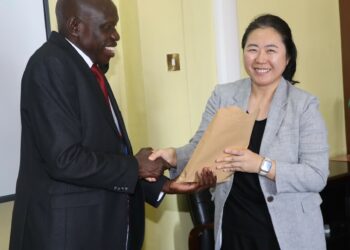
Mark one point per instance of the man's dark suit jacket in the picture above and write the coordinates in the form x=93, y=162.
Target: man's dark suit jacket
x=76, y=188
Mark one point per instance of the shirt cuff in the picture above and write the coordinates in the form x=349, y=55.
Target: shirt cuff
x=160, y=197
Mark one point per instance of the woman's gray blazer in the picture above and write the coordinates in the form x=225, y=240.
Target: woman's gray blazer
x=295, y=137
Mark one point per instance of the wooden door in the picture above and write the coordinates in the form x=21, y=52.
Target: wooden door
x=344, y=7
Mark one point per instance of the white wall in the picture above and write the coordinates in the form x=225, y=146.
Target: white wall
x=21, y=35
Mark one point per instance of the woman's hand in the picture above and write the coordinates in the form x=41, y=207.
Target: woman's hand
x=242, y=160
x=168, y=154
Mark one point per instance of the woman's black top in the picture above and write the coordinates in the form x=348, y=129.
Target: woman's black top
x=246, y=222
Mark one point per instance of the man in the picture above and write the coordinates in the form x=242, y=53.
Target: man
x=79, y=185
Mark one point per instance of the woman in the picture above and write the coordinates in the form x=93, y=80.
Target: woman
x=272, y=201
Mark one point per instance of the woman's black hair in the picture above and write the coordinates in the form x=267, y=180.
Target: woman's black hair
x=277, y=23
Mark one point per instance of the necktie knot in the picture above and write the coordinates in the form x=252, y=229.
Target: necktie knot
x=101, y=80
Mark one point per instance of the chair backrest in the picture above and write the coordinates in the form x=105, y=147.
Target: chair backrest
x=202, y=213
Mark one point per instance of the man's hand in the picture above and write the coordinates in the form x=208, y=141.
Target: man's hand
x=206, y=179
x=148, y=168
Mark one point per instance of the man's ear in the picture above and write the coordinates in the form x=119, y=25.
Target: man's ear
x=73, y=26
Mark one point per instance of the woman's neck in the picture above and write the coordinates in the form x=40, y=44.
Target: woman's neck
x=260, y=100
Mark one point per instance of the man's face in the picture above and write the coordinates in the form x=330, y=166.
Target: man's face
x=97, y=35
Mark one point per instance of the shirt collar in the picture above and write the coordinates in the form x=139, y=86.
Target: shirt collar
x=82, y=54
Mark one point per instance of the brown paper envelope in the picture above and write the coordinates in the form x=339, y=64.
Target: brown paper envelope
x=230, y=128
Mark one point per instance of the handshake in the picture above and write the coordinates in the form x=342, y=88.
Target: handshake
x=152, y=165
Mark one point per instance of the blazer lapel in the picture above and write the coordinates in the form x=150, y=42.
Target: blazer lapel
x=241, y=97
x=275, y=116
x=102, y=102
x=108, y=112
x=119, y=116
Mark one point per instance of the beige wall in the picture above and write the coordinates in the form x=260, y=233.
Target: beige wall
x=153, y=119
x=164, y=107
x=5, y=224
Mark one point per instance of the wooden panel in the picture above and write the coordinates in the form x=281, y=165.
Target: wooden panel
x=335, y=208
x=344, y=6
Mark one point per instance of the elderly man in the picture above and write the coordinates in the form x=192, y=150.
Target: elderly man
x=79, y=184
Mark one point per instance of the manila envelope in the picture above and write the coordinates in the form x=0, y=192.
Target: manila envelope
x=231, y=127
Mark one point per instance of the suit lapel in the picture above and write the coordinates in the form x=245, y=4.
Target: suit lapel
x=275, y=116
x=102, y=102
x=120, y=120
x=276, y=113
x=108, y=113
x=241, y=97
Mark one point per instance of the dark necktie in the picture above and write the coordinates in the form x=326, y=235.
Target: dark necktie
x=101, y=80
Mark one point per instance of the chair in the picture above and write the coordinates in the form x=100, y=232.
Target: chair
x=201, y=206
x=336, y=212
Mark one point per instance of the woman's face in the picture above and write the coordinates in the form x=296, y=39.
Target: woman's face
x=265, y=56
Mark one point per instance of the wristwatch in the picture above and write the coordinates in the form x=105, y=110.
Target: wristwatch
x=265, y=166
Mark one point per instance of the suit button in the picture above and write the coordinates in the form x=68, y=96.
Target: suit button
x=115, y=188
x=270, y=198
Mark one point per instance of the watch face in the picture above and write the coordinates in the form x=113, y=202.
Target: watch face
x=266, y=165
